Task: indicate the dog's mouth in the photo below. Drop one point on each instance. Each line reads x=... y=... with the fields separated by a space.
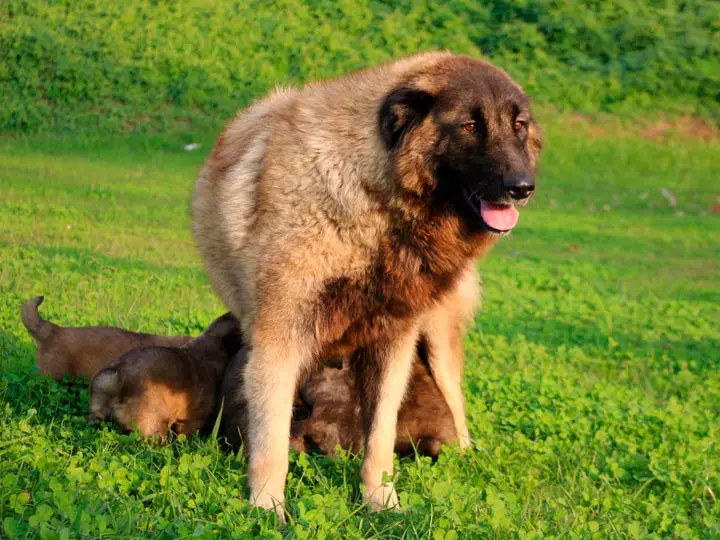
x=497 y=218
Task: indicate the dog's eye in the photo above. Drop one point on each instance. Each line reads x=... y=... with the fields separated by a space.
x=520 y=125
x=470 y=127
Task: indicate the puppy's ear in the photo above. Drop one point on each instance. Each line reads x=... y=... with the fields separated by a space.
x=534 y=142
x=402 y=109
x=107 y=382
x=232 y=342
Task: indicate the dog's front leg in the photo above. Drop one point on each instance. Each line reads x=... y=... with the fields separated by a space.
x=445 y=357
x=269 y=386
x=383 y=370
x=443 y=329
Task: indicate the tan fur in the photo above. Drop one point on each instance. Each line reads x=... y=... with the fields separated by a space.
x=157 y=389
x=322 y=240
x=84 y=350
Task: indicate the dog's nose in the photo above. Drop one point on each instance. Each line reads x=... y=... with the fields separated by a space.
x=519 y=187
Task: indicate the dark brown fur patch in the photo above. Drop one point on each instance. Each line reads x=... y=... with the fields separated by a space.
x=409 y=273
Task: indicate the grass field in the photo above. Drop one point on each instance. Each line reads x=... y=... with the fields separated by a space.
x=593 y=369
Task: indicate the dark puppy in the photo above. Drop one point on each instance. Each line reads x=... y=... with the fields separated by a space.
x=84 y=350
x=327 y=413
x=157 y=389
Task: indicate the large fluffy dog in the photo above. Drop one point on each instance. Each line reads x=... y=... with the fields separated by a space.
x=345 y=218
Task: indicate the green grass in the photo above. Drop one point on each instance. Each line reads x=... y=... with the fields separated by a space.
x=593 y=369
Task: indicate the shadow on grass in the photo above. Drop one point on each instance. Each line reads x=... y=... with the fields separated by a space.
x=86 y=260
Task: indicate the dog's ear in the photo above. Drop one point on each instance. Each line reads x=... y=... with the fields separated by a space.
x=534 y=142
x=402 y=109
x=107 y=382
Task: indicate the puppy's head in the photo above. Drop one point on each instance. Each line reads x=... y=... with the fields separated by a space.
x=461 y=131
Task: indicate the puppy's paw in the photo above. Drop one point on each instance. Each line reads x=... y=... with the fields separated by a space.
x=267 y=502
x=382 y=497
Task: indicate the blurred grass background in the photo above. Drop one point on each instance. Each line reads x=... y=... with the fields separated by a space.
x=154 y=65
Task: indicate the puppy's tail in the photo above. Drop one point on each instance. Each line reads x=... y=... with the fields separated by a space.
x=38 y=327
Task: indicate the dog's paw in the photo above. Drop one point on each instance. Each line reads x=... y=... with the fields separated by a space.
x=267 y=502
x=382 y=497
x=464 y=441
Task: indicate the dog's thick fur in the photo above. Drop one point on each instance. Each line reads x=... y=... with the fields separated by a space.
x=84 y=350
x=326 y=411
x=161 y=388
x=343 y=219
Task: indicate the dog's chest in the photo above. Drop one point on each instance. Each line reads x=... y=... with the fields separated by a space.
x=409 y=272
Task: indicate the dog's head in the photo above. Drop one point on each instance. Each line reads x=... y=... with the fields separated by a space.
x=461 y=131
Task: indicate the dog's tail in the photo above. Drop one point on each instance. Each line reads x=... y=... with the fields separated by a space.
x=38 y=327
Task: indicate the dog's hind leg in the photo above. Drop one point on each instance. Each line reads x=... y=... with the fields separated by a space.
x=382 y=371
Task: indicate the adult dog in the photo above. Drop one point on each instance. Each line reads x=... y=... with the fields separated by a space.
x=345 y=218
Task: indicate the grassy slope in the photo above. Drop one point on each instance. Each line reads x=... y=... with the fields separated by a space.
x=154 y=65
x=593 y=378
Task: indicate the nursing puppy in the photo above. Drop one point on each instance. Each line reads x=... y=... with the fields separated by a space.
x=159 y=388
x=326 y=411
x=83 y=350
x=424 y=420
x=345 y=218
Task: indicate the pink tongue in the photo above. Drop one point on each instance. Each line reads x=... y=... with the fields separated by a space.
x=501 y=218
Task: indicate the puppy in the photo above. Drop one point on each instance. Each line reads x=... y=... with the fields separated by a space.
x=345 y=218
x=326 y=411
x=84 y=350
x=424 y=420
x=159 y=388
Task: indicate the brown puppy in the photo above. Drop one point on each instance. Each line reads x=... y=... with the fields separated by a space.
x=344 y=219
x=158 y=388
x=424 y=420
x=326 y=412
x=84 y=350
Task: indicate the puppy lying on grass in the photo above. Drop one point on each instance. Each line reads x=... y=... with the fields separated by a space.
x=84 y=350
x=161 y=388
x=327 y=413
